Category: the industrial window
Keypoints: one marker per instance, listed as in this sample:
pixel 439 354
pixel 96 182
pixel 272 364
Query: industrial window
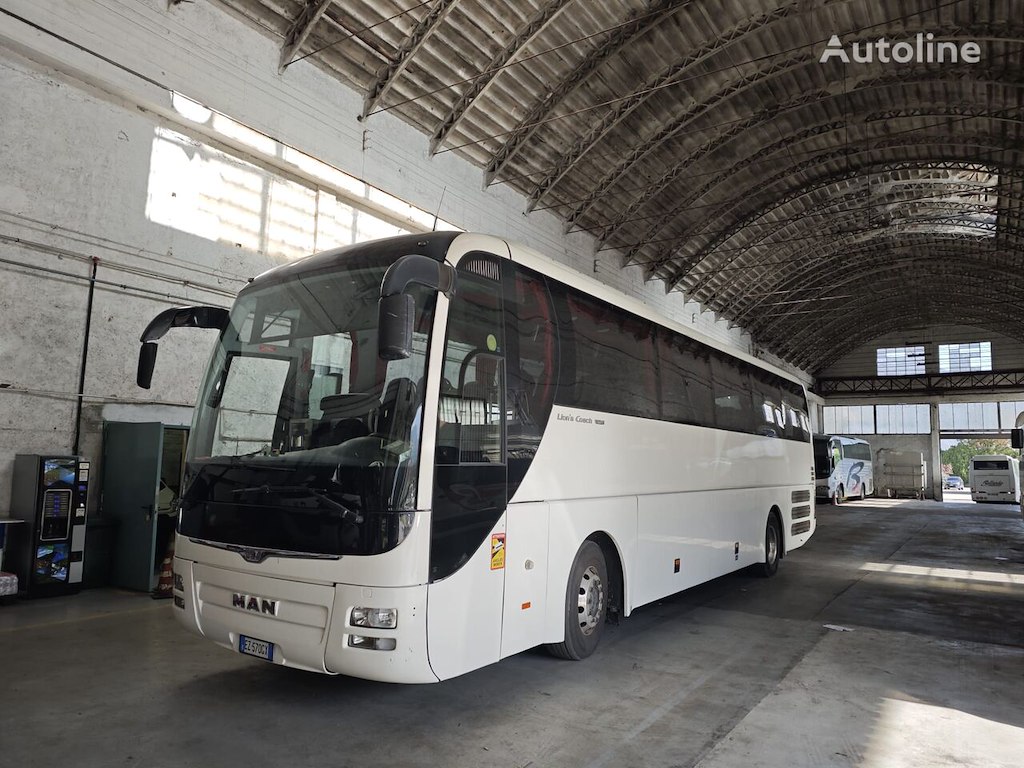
pixel 902 419
pixel 849 419
pixel 900 361
pixel 965 358
pixel 1008 412
pixel 969 417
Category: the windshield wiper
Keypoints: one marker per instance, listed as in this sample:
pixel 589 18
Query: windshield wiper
pixel 320 495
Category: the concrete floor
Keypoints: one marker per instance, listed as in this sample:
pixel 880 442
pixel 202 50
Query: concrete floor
pixel 923 666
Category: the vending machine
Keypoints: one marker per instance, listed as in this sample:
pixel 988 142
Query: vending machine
pixel 47 553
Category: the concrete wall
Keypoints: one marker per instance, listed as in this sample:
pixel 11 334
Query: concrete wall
pixel 87 88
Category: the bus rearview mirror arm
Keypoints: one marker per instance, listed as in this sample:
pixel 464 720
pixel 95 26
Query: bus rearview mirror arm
pixel 396 309
pixel 176 317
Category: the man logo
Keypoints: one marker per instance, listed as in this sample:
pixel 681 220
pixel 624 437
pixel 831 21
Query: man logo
pixel 255 604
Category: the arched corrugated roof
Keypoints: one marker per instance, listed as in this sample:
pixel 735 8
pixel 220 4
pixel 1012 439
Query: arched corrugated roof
pixel 707 142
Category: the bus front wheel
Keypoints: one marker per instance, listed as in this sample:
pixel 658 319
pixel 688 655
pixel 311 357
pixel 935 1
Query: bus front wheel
pixel 586 604
pixel 840 496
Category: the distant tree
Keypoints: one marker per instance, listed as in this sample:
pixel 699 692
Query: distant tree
pixel 959 456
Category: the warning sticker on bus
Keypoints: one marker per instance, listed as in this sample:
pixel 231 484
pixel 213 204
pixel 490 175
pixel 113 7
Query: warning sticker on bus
pixel 497 551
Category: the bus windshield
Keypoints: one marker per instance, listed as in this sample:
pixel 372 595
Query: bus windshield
pixel 304 441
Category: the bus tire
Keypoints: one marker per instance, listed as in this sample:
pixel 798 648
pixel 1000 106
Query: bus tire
pixel 863 491
pixel 772 548
pixel 840 496
pixel 586 604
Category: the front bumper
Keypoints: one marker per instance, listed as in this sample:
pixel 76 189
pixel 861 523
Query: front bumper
pixel 309 624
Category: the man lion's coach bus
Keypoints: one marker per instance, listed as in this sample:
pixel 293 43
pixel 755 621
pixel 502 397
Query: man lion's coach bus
pixel 416 456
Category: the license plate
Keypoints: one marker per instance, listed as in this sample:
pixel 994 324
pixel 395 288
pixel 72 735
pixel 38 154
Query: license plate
pixel 261 649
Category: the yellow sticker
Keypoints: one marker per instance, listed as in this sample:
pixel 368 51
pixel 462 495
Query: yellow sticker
pixel 492 342
pixel 497 551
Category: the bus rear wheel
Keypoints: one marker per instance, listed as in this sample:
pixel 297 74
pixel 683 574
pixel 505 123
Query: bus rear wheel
pixel 586 604
pixel 772 548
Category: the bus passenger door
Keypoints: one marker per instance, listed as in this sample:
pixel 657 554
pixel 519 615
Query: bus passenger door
pixel 467 553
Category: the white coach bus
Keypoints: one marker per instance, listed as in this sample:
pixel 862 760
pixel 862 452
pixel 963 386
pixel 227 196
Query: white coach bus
pixel 842 468
pixel 416 456
pixel 995 478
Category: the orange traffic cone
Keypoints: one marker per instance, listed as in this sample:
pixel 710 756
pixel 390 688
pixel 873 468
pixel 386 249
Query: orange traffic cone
pixel 165 586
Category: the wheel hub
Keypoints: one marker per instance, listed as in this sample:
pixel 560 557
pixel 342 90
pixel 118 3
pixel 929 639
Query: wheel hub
pixel 773 544
pixel 591 600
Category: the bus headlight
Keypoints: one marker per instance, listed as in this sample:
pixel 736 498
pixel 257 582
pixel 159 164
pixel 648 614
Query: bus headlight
pixel 378 618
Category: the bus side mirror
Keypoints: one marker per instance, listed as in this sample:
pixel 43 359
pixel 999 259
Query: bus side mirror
pixel 1017 438
pixel 176 317
pixel 394 322
pixel 147 362
pixel 396 309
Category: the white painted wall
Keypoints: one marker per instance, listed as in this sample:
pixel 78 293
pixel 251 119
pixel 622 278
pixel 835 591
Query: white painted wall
pixel 79 122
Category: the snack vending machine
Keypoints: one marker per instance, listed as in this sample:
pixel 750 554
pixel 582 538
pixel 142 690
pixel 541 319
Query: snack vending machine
pixel 48 553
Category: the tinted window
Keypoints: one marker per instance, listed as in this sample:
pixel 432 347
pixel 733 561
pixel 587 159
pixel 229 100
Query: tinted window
pixel 614 359
pixel 798 425
pixel 858 451
pixel 685 368
pixel 611 362
pixel 731 388
pixel 472 392
pixel 991 464
pixel 532 397
pixel 470 472
pixel 771 413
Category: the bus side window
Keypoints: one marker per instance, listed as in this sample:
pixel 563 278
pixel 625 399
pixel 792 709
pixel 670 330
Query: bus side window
pixel 766 392
pixel 472 401
pixel 616 370
pixel 470 470
pixel 535 320
pixel 733 404
pixel 795 405
pixel 685 373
